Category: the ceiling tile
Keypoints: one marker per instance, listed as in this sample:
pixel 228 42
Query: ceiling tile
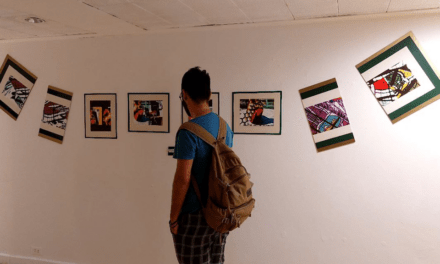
pixel 351 7
pixel 217 11
pixel 101 3
pixel 26 28
pixel 10 34
pixel 135 15
pixel 264 10
pixel 173 11
pixel 403 5
pixel 313 8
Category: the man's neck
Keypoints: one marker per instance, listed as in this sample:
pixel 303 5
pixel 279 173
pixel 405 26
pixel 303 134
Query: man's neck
pixel 200 111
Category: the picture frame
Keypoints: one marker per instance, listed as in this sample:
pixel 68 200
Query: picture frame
pixel 401 77
pixel 55 114
pixel 16 83
pixel 149 112
pixel 100 115
pixel 257 113
pixel 214 104
pixel 326 115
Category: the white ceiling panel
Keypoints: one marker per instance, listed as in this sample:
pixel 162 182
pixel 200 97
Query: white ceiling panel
pixel 100 3
pixel 12 34
pixel 316 8
pixel 172 11
pixel 404 5
pixel 136 15
pixel 350 7
pixel 27 28
pixel 217 11
pixel 264 10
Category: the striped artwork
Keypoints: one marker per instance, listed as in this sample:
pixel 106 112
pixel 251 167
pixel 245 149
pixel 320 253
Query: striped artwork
pixel 326 115
pixel 401 78
pixel 16 83
pixel 55 114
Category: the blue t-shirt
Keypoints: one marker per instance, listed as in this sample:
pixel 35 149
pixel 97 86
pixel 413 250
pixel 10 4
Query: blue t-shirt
pixel 191 147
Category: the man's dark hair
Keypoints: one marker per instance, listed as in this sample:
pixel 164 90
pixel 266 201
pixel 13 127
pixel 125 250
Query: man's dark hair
pixel 197 84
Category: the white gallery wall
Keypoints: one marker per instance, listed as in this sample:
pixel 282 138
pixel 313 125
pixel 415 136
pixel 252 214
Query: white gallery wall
pixel 99 201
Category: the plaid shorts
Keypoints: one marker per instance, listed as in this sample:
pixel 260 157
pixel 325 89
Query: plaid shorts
pixel 197 243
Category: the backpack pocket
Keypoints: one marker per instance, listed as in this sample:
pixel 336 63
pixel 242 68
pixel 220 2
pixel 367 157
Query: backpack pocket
pixel 222 221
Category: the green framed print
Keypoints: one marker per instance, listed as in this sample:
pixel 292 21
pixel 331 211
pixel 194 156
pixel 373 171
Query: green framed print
pixel 326 115
pixel 214 105
pixel 100 115
pixel 149 112
pixel 256 112
pixel 16 83
pixel 401 78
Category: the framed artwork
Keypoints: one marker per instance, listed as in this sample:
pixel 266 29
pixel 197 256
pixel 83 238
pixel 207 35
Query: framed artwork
pixel 100 115
pixel 55 114
pixel 214 105
pixel 326 115
pixel 256 112
pixel 401 78
pixel 149 112
pixel 16 83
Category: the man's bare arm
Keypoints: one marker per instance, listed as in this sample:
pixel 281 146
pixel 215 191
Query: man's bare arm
pixel 182 180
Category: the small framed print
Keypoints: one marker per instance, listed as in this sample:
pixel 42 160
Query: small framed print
pixel 214 105
pixel 149 112
pixel 256 112
pixel 326 115
pixel 401 78
pixel 55 114
pixel 100 115
pixel 16 83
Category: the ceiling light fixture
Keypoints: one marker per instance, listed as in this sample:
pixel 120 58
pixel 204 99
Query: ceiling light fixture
pixel 35 20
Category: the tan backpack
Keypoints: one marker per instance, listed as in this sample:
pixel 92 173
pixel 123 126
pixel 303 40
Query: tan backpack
pixel 230 200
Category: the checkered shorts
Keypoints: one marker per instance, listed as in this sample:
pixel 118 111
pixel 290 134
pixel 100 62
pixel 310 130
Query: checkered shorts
pixel 197 243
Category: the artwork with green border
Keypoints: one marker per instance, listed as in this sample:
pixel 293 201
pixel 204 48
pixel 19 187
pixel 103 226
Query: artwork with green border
pixel 326 115
pixel 400 80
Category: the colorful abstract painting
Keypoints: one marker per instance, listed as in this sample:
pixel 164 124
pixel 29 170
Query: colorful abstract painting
pixel 100 115
pixel 148 112
pixel 16 83
pixel 257 112
pixel 393 83
pixel 401 78
pixel 326 115
pixel 55 114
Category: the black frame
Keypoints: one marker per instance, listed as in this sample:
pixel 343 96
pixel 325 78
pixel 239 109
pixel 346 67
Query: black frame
pixel 257 92
pixel 128 114
pixel 116 115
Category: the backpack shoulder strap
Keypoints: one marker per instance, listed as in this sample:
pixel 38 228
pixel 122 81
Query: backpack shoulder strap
pixel 222 129
pixel 199 131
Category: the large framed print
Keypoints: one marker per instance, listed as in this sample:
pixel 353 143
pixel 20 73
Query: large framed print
pixel 149 112
pixel 256 112
pixel 326 115
pixel 100 115
pixel 16 83
pixel 401 78
pixel 214 105
pixel 55 114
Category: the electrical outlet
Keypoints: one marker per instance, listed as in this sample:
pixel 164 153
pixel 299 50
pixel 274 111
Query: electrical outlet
pixel 36 251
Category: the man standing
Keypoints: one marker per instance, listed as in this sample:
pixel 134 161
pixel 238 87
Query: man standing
pixel 195 241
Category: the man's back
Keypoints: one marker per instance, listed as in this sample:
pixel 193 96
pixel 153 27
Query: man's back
pixel 189 146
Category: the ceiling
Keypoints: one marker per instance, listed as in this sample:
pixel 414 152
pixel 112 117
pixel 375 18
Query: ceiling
pixel 116 17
